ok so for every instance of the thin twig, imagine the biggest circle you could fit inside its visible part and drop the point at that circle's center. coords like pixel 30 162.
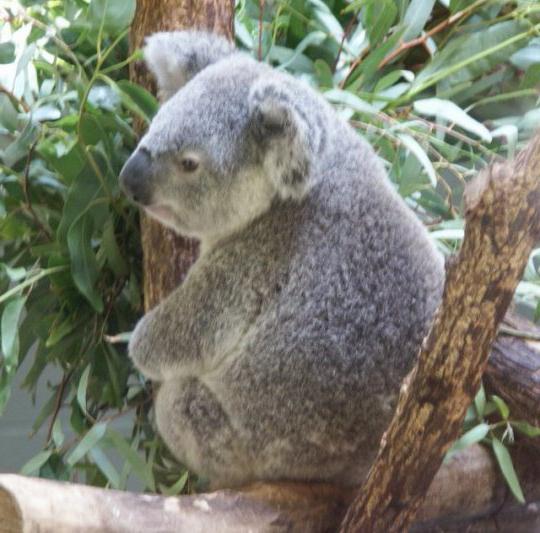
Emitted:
pixel 346 34
pixel 261 12
pixel 58 403
pixel 28 201
pixel 422 40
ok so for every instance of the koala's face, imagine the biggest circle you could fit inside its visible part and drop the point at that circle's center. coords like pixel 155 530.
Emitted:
pixel 228 139
pixel 195 169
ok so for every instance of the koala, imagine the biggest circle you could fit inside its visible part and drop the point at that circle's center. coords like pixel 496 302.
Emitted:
pixel 281 355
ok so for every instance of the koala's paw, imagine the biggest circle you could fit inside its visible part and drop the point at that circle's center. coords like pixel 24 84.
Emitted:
pixel 143 350
pixel 176 57
pixel 282 134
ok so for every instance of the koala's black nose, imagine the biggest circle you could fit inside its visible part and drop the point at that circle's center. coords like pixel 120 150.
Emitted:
pixel 136 177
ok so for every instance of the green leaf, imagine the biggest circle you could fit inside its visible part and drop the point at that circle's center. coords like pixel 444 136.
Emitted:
pixel 526 429
pixel 532 77
pixel 176 489
pixel 81 388
pixel 501 406
pixel 466 57
pixel 507 468
pixel 57 433
pixel 112 15
pixel 458 5
pixel 323 73
pixel 476 434
pixel 415 18
pixel 84 265
pixel 36 463
pixel 20 147
pixel 451 113
pixel 59 332
pixel 480 398
pixel 7 53
pixel 68 164
pixel 137 99
pixel 84 190
pixel 5 388
pixel 9 330
pixel 98 456
pixel 8 114
pixel 112 251
pixel 327 19
pixel 363 74
pixel 314 38
pixel 87 443
pixel 45 411
pixel 350 100
pixel 378 16
pixel 132 457
pixel 92 132
pixel 15 274
pixel 411 144
pixel 527 56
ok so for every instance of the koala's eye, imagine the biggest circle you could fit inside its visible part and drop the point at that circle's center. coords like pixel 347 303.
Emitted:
pixel 189 164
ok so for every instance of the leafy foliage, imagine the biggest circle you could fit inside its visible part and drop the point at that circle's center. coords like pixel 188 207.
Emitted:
pixel 497 433
pixel 439 88
pixel 70 272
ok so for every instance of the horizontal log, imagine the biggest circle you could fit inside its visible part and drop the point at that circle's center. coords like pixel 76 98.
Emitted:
pixel 513 370
pixel 467 487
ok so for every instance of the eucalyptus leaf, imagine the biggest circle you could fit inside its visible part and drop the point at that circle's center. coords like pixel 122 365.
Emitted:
pixel 91 438
pixel 507 468
pixel 7 52
pixel 416 16
pixel 104 464
pixel 474 435
pixel 36 463
pixel 84 265
pixel 111 15
pixel 81 388
pixel 526 429
pixel 411 144
pixel 9 330
pixel 450 112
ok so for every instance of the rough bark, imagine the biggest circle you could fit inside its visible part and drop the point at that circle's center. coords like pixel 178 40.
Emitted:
pixel 513 370
pixel 502 225
pixel 468 489
pixel 166 256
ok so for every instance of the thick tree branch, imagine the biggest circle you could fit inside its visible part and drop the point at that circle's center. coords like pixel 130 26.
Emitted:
pixel 513 371
pixel 502 225
pixel 469 487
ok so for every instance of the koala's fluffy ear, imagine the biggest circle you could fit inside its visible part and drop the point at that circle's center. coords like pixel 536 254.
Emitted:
pixel 175 57
pixel 282 133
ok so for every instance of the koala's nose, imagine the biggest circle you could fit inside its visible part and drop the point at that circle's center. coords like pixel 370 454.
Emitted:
pixel 136 177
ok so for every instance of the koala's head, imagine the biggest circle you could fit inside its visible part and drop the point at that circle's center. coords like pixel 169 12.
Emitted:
pixel 230 137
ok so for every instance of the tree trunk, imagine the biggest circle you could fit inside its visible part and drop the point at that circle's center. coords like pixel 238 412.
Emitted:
pixel 502 225
pixel 167 256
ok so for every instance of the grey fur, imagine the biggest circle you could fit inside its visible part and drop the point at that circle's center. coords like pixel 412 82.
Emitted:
pixel 282 353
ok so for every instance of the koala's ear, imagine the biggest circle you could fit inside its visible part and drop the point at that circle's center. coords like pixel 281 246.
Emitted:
pixel 281 131
pixel 175 57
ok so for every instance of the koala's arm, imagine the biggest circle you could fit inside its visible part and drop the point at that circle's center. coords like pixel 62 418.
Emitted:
pixel 193 328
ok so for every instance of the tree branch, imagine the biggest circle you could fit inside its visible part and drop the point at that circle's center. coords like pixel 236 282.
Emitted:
pixel 467 488
pixel 502 226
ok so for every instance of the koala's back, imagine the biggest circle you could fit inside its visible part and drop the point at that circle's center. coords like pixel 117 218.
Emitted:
pixel 340 288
